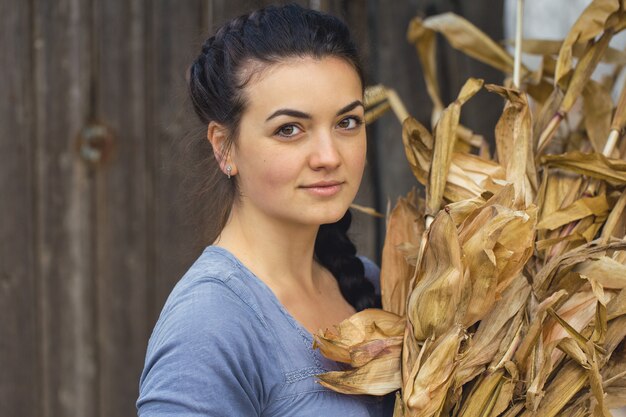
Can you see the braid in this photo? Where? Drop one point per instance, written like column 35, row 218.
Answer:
column 337, row 253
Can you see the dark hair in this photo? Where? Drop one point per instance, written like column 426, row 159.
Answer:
column 217, row 80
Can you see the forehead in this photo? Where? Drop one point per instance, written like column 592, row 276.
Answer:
column 301, row 82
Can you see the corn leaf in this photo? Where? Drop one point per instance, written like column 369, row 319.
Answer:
column 616, row 222
column 619, row 119
column 552, row 47
column 591, row 164
column 470, row 40
column 604, row 270
column 588, row 206
column 418, row 147
column 445, row 138
column 590, row 24
column 559, row 265
column 424, row 40
column 598, row 110
column 484, row 395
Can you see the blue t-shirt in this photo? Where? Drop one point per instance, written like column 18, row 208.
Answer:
column 225, row 346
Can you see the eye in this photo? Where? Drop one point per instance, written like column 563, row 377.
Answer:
column 288, row 131
column 350, row 123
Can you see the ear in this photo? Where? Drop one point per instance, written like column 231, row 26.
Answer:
column 217, row 135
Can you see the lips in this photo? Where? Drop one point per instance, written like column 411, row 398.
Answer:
column 321, row 184
column 323, row 188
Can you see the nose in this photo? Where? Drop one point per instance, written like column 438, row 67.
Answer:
column 324, row 153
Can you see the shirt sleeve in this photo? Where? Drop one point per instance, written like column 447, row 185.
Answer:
column 201, row 358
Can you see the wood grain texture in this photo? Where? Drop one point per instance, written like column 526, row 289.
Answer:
column 65, row 212
column 483, row 111
column 123, row 193
column 175, row 39
column 395, row 64
column 222, row 10
column 20, row 360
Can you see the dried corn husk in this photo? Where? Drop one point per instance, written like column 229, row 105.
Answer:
column 468, row 176
column 492, row 336
column 435, row 301
column 379, row 376
column 426, row 392
column 363, row 327
column 371, row 342
column 402, row 242
column 514, row 143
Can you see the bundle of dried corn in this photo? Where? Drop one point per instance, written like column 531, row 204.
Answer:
column 504, row 288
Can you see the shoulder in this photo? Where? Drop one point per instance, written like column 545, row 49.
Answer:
column 212, row 297
column 372, row 272
column 211, row 317
column 199, row 308
column 204, row 348
column 214, row 285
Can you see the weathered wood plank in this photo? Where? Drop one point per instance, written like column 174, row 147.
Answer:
column 303, row 3
column 175, row 38
column 65, row 209
column 20, row 361
column 394, row 63
column 222, row 10
column 454, row 68
column 483, row 111
column 122, row 193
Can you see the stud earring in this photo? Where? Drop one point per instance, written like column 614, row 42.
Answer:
column 229, row 169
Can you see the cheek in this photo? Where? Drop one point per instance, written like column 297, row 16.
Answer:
column 357, row 158
column 267, row 172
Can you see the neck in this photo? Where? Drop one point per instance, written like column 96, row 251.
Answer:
column 277, row 252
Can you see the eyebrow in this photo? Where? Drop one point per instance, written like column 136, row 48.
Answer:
column 302, row 115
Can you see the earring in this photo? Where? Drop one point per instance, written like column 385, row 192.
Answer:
column 228, row 170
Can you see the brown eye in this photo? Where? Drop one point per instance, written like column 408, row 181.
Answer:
column 288, row 131
column 349, row 123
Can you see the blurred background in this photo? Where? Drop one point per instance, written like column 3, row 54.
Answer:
column 94, row 229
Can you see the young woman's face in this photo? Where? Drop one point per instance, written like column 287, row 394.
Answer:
column 301, row 147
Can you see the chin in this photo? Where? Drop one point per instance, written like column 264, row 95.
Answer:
column 319, row 214
column 332, row 217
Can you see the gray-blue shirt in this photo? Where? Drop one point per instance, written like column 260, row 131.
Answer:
column 225, row 346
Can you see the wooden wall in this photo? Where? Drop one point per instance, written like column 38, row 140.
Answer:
column 92, row 231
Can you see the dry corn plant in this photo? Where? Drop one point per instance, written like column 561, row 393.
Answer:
column 504, row 289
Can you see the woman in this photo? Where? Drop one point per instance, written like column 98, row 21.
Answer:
column 280, row 91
